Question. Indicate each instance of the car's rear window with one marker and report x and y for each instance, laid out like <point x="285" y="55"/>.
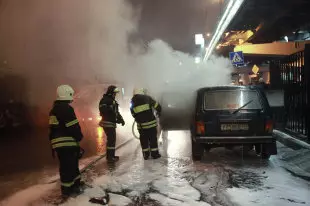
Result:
<point x="231" y="99"/>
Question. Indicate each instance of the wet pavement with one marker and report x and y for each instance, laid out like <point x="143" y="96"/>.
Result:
<point x="26" y="157"/>
<point x="222" y="178"/>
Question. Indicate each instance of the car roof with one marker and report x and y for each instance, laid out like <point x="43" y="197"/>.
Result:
<point x="228" y="87"/>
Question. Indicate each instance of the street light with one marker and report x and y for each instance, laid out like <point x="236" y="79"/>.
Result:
<point x="199" y="39"/>
<point x="231" y="10"/>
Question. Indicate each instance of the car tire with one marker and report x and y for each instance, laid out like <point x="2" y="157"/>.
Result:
<point x="207" y="148"/>
<point x="265" y="156"/>
<point x="247" y="148"/>
<point x="258" y="149"/>
<point x="261" y="150"/>
<point x="197" y="151"/>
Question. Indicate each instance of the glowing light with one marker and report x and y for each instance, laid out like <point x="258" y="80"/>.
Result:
<point x="90" y="119"/>
<point x="99" y="118"/>
<point x="208" y="34"/>
<point x="231" y="10"/>
<point x="100" y="144"/>
<point x="100" y="132"/>
<point x="199" y="39"/>
<point x="197" y="60"/>
<point x="286" y="38"/>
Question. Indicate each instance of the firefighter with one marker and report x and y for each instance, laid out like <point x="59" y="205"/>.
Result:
<point x="141" y="109"/>
<point x="109" y="112"/>
<point x="65" y="135"/>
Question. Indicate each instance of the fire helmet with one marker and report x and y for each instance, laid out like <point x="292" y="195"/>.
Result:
<point x="142" y="91"/>
<point x="65" y="93"/>
<point x="112" y="90"/>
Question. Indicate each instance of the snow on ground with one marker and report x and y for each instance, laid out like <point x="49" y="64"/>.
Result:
<point x="295" y="161"/>
<point x="221" y="179"/>
<point x="146" y="181"/>
<point x="279" y="188"/>
<point x="287" y="137"/>
<point x="83" y="200"/>
<point x="200" y="184"/>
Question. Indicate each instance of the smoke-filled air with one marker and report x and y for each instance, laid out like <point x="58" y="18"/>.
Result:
<point x="82" y="43"/>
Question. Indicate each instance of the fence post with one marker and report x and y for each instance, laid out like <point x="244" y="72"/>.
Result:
<point x="307" y="79"/>
<point x="275" y="75"/>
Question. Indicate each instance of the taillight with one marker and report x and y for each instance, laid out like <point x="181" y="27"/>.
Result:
<point x="200" y="128"/>
<point x="269" y="126"/>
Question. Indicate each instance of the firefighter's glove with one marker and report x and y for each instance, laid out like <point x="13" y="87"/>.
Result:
<point x="123" y="122"/>
<point x="81" y="153"/>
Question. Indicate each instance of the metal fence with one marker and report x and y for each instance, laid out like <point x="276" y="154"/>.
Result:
<point x="295" y="76"/>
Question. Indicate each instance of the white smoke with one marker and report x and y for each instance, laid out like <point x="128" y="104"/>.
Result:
<point x="82" y="42"/>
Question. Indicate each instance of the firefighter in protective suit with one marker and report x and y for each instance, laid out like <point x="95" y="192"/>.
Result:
<point x="141" y="109"/>
<point x="65" y="135"/>
<point x="109" y="112"/>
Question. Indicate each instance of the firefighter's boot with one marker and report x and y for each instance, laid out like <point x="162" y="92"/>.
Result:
<point x="156" y="156"/>
<point x="113" y="159"/>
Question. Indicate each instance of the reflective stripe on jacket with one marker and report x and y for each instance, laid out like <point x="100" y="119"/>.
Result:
<point x="142" y="110"/>
<point x="65" y="130"/>
<point x="108" y="108"/>
<point x="64" y="142"/>
<point x="103" y="123"/>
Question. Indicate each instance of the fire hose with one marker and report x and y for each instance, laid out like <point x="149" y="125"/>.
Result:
<point x="133" y="129"/>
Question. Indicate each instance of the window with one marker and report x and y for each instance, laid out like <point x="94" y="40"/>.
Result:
<point x="231" y="99"/>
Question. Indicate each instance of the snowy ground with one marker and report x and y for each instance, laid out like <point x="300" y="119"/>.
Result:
<point x="223" y="178"/>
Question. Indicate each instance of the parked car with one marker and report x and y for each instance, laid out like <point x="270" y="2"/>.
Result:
<point x="232" y="116"/>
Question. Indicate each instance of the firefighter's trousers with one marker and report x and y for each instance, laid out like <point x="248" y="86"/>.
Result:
<point x="111" y="141"/>
<point x="148" y="140"/>
<point x="69" y="168"/>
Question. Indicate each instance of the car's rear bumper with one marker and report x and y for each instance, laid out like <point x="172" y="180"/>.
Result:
<point x="235" y="140"/>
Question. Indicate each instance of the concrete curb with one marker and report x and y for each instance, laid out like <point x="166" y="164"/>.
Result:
<point x="93" y="162"/>
<point x="290" y="141"/>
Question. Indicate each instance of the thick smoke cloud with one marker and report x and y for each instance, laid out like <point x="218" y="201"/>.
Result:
<point x="82" y="42"/>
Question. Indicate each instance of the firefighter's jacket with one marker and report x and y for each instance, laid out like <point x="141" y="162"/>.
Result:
<point x="142" y="110"/>
<point x="65" y="130"/>
<point x="109" y="112"/>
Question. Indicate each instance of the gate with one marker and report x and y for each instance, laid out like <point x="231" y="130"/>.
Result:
<point x="295" y="76"/>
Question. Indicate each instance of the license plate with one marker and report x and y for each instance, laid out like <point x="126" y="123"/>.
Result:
<point x="234" y="127"/>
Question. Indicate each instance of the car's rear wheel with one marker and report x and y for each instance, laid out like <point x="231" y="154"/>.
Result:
<point x="265" y="153"/>
<point x="197" y="151"/>
<point x="258" y="149"/>
<point x="207" y="148"/>
<point x="262" y="150"/>
<point x="265" y="156"/>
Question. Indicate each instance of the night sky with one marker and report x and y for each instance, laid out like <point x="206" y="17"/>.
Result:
<point x="176" y="21"/>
